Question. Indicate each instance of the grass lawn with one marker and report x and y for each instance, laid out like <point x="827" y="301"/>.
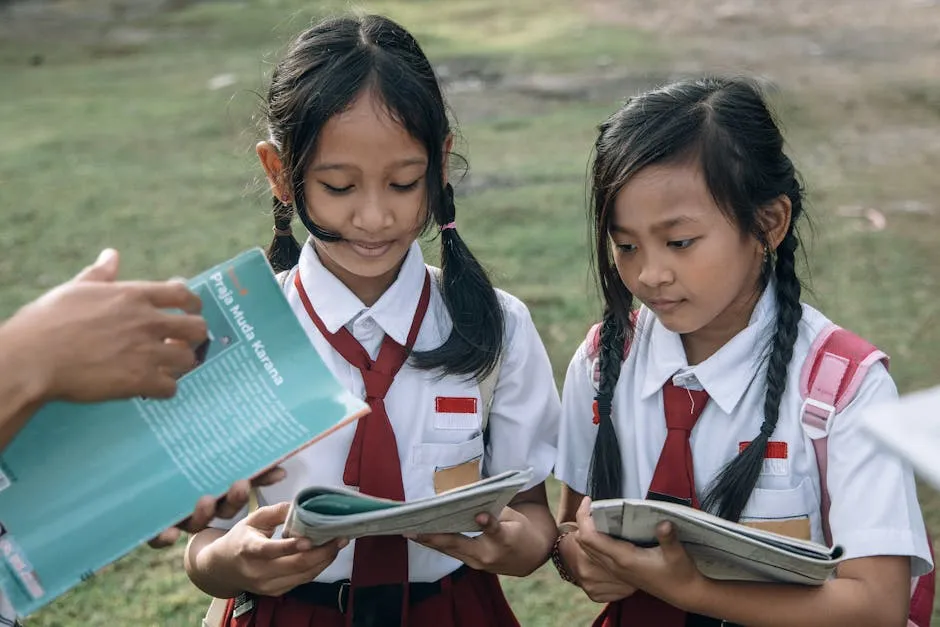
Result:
<point x="117" y="139"/>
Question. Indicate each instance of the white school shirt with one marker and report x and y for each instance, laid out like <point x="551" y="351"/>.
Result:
<point x="874" y="507"/>
<point x="523" y="420"/>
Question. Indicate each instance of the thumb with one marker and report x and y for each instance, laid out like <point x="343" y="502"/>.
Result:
<point x="668" y="539"/>
<point x="268" y="517"/>
<point x="104" y="269"/>
<point x="583" y="516"/>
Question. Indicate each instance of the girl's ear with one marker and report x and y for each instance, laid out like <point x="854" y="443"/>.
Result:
<point x="776" y="220"/>
<point x="448" y="146"/>
<point x="274" y="169"/>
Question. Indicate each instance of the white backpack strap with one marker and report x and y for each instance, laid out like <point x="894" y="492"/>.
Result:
<point x="488" y="383"/>
<point x="487" y="388"/>
<point x="832" y="373"/>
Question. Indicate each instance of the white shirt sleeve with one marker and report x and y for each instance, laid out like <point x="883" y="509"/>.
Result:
<point x="874" y="506"/>
<point x="578" y="431"/>
<point x="523" y="422"/>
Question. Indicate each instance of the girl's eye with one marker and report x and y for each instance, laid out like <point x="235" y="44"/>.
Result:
<point x="682" y="243"/>
<point x="626" y="248"/>
<point x="335" y="190"/>
<point x="407" y="186"/>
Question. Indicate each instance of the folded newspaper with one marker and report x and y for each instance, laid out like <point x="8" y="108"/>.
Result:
<point x="322" y="513"/>
<point x="721" y="549"/>
<point x="909" y="427"/>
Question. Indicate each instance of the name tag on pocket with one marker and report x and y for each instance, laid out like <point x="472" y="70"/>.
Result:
<point x="456" y="413"/>
<point x="776" y="462"/>
<point x="792" y="527"/>
<point x="456" y="476"/>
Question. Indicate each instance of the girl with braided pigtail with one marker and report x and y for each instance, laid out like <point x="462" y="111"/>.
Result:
<point x="694" y="396"/>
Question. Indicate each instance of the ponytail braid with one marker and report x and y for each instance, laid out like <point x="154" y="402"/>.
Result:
<point x="605" y="476"/>
<point x="734" y="484"/>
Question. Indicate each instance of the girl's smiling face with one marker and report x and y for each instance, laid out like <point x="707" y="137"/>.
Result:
<point x="367" y="183"/>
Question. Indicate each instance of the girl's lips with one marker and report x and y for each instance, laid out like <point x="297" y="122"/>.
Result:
<point x="662" y="305"/>
<point x="370" y="249"/>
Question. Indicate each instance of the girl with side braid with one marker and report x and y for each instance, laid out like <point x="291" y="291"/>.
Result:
<point x="696" y="394"/>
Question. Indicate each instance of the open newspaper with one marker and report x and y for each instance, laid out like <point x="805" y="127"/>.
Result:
<point x="322" y="513"/>
<point x="909" y="427"/>
<point x="721" y="549"/>
<point x="83" y="484"/>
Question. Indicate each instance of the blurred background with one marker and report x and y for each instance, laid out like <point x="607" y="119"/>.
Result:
<point x="131" y="123"/>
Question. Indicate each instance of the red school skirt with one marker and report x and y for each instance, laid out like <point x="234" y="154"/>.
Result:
<point x="466" y="598"/>
<point x="642" y="610"/>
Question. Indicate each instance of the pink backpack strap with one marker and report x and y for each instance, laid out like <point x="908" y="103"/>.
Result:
<point x="593" y="345"/>
<point x="832" y="373"/>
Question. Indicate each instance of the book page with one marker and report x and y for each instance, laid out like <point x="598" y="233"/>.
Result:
<point x="910" y="428"/>
<point x="449" y="512"/>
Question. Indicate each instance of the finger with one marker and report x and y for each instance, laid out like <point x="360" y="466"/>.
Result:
<point x="269" y="477"/>
<point x="234" y="500"/>
<point x="188" y="329"/>
<point x="279" y="585"/>
<point x="175" y="358"/>
<point x="265" y="548"/>
<point x="490" y="525"/>
<point x="583" y="517"/>
<point x="201" y="517"/>
<point x="171" y="295"/>
<point x="165" y="538"/>
<point x="669" y="541"/>
<point x="105" y="267"/>
<point x="159" y="385"/>
<point x="455" y="545"/>
<point x="267" y="518"/>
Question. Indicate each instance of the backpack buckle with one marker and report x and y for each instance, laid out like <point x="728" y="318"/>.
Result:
<point x="817" y="418"/>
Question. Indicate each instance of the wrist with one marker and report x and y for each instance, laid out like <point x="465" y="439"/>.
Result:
<point x="699" y="595"/>
<point x="215" y="573"/>
<point x="28" y="378"/>
<point x="558" y="554"/>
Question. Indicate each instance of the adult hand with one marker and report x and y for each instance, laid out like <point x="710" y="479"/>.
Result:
<point x="96" y="338"/>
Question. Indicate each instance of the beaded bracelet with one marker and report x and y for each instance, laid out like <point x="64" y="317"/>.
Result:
<point x="563" y="571"/>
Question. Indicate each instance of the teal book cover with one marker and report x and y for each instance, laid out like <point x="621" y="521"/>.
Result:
<point x="83" y="484"/>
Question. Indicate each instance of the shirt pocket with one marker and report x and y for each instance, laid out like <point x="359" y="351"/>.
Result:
<point x="457" y="413"/>
<point x="450" y="465"/>
<point x="788" y="511"/>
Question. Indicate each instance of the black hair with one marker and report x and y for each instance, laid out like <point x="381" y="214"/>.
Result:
<point x="727" y="128"/>
<point x="322" y="73"/>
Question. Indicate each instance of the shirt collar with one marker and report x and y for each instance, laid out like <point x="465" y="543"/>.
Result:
<point x="337" y="306"/>
<point x="725" y="375"/>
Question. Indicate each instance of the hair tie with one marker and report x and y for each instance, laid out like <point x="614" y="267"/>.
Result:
<point x="288" y="232"/>
<point x="449" y="225"/>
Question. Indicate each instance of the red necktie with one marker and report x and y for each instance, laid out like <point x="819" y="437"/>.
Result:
<point x="373" y="462"/>
<point x="673" y="480"/>
<point x="674" y="477"/>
